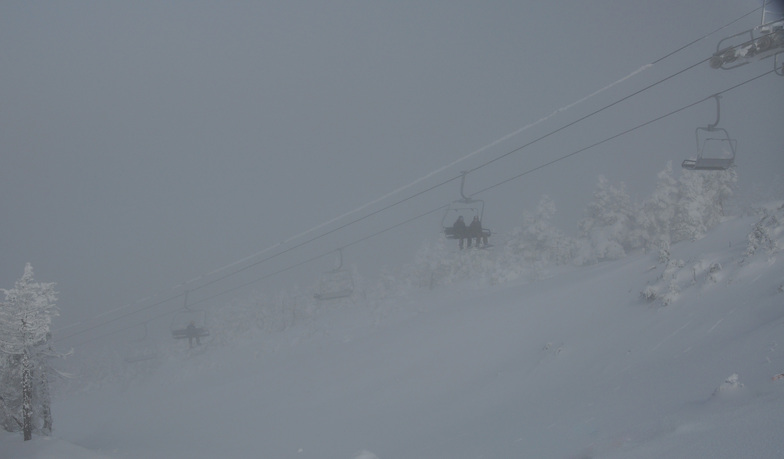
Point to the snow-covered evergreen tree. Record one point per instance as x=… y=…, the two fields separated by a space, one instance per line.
x=25 y=318
x=658 y=212
x=765 y=232
x=609 y=224
x=538 y=241
x=701 y=203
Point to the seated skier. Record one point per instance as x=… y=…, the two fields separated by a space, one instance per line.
x=475 y=231
x=459 y=231
x=192 y=333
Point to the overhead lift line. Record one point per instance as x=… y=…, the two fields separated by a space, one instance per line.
x=444 y=182
x=627 y=131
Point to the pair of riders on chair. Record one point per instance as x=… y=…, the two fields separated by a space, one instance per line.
x=473 y=230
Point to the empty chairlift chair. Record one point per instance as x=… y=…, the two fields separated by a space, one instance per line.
x=715 y=149
x=336 y=283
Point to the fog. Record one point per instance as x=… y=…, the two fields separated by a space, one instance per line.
x=150 y=147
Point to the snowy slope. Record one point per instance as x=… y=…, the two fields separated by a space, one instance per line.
x=575 y=365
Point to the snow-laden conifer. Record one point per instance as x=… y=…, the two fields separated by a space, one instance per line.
x=609 y=223
x=538 y=241
x=658 y=212
x=25 y=319
x=701 y=202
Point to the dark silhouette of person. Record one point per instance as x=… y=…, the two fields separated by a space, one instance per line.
x=475 y=231
x=192 y=333
x=460 y=231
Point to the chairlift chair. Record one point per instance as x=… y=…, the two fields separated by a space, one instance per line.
x=466 y=207
x=468 y=210
x=181 y=320
x=336 y=283
x=723 y=144
x=760 y=42
x=141 y=350
x=715 y=149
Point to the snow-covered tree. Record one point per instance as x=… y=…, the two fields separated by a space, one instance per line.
x=25 y=318
x=658 y=212
x=701 y=203
x=537 y=241
x=609 y=224
x=763 y=235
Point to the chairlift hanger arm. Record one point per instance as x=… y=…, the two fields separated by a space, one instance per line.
x=712 y=127
x=340 y=259
x=185 y=301
x=717 y=97
x=462 y=186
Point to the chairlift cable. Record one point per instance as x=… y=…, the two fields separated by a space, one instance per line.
x=444 y=182
x=381 y=210
x=527 y=172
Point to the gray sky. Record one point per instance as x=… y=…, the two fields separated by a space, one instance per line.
x=144 y=144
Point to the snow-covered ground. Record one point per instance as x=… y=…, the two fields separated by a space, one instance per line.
x=574 y=364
